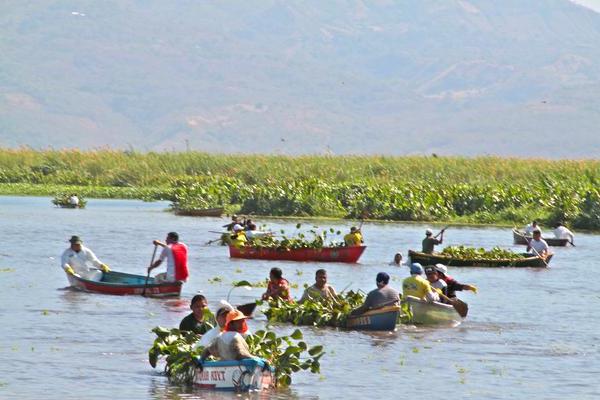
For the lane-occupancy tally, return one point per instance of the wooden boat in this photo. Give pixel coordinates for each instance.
(432, 313)
(529, 260)
(521, 238)
(120, 283)
(325, 254)
(205, 212)
(380, 319)
(247, 309)
(240, 376)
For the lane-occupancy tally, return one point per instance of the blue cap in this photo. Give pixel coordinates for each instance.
(416, 269)
(383, 277)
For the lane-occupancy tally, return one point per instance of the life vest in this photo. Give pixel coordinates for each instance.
(180, 258)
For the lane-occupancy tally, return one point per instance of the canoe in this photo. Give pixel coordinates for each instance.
(325, 254)
(521, 238)
(380, 319)
(120, 283)
(431, 313)
(240, 376)
(204, 212)
(432, 259)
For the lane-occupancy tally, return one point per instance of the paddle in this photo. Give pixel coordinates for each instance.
(148, 275)
(532, 248)
(460, 306)
(442, 231)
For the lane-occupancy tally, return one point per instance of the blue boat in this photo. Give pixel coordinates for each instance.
(380, 319)
(240, 376)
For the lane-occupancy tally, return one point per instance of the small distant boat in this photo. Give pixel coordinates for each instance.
(240, 376)
(204, 212)
(325, 254)
(69, 206)
(528, 260)
(521, 238)
(120, 283)
(380, 319)
(434, 313)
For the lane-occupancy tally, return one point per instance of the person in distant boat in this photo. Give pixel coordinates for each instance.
(200, 320)
(176, 254)
(229, 345)
(452, 284)
(252, 232)
(537, 244)
(562, 232)
(234, 221)
(532, 227)
(417, 286)
(397, 261)
(354, 238)
(74, 200)
(278, 287)
(321, 290)
(383, 296)
(79, 260)
(238, 237)
(430, 241)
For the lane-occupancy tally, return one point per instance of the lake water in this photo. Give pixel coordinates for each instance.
(530, 333)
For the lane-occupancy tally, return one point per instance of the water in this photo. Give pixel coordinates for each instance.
(530, 333)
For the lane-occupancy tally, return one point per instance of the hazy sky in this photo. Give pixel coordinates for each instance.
(593, 4)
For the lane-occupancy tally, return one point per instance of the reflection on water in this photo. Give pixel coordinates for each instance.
(529, 334)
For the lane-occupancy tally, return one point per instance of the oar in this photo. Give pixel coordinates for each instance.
(571, 243)
(534, 250)
(442, 231)
(460, 306)
(148, 275)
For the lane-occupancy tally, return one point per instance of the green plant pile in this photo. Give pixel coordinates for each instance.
(287, 354)
(471, 190)
(63, 200)
(469, 253)
(317, 240)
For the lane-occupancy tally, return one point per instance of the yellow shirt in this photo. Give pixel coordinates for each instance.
(353, 239)
(416, 285)
(239, 240)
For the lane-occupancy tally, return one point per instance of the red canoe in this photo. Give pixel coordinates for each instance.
(120, 283)
(325, 254)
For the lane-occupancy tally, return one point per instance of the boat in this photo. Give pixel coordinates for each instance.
(324, 254)
(247, 309)
(434, 313)
(120, 283)
(521, 238)
(240, 376)
(529, 260)
(204, 212)
(380, 319)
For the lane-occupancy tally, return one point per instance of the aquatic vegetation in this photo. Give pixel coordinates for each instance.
(63, 200)
(317, 240)
(468, 253)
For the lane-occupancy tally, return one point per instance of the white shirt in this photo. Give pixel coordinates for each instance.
(256, 234)
(538, 245)
(168, 254)
(439, 284)
(84, 262)
(74, 200)
(562, 232)
(530, 228)
(214, 333)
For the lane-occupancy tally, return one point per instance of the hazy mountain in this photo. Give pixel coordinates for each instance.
(469, 77)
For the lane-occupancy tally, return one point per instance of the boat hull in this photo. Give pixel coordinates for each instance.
(432, 313)
(206, 212)
(325, 254)
(119, 283)
(521, 238)
(382, 319)
(432, 259)
(240, 376)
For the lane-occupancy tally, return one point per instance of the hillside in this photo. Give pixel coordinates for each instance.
(414, 77)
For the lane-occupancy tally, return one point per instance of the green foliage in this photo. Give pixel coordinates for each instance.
(63, 200)
(178, 348)
(468, 253)
(317, 240)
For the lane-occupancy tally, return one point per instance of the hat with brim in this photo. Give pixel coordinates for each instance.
(75, 240)
(234, 315)
(441, 268)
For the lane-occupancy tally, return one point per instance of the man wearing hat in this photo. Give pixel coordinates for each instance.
(238, 237)
(354, 238)
(430, 241)
(175, 253)
(417, 286)
(384, 295)
(453, 285)
(79, 260)
(230, 345)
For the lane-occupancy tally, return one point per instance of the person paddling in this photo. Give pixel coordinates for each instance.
(354, 238)
(417, 286)
(562, 232)
(431, 241)
(79, 260)
(175, 253)
(238, 238)
(537, 244)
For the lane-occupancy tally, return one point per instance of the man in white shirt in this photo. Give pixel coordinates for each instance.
(537, 244)
(79, 260)
(532, 227)
(562, 232)
(74, 200)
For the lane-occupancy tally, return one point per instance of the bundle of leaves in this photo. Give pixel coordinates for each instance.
(285, 353)
(64, 200)
(316, 240)
(468, 253)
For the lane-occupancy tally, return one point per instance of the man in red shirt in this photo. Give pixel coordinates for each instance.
(176, 255)
(278, 287)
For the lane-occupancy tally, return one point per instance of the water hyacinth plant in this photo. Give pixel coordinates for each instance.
(469, 253)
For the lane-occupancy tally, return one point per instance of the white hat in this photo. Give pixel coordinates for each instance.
(428, 231)
(238, 227)
(441, 268)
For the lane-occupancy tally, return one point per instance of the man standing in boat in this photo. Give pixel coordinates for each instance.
(562, 232)
(79, 260)
(175, 253)
(383, 296)
(430, 241)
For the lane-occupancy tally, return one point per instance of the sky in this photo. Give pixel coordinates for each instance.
(593, 4)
